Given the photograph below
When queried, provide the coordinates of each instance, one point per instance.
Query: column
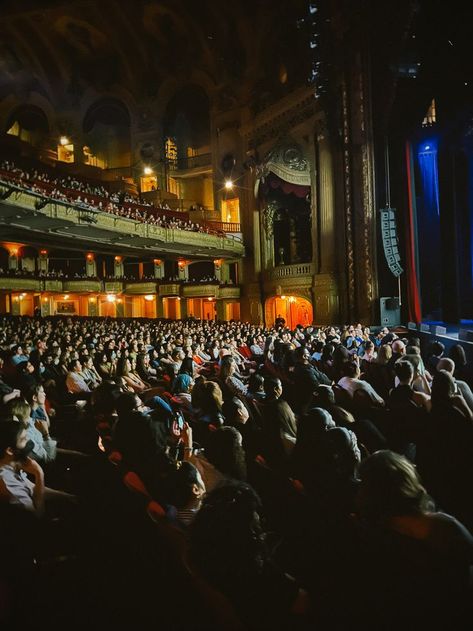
(90, 265)
(218, 269)
(13, 258)
(159, 307)
(158, 269)
(43, 261)
(183, 270)
(326, 238)
(118, 266)
(92, 307)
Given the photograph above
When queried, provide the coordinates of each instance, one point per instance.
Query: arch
(29, 123)
(106, 127)
(294, 309)
(187, 120)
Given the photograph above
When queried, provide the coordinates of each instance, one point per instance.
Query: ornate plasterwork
(287, 161)
(268, 218)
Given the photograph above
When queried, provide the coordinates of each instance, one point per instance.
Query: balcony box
(82, 285)
(200, 291)
(140, 288)
(227, 292)
(170, 289)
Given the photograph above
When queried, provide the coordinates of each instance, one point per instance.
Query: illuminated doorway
(172, 308)
(293, 309)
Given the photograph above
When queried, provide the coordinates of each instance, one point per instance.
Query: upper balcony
(24, 213)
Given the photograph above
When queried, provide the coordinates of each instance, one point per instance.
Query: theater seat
(134, 483)
(115, 457)
(155, 510)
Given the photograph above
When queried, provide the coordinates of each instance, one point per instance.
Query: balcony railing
(290, 271)
(192, 162)
(223, 226)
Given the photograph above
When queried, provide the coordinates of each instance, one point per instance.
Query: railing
(224, 226)
(290, 271)
(192, 162)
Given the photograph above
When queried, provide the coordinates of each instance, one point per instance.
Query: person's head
(207, 396)
(223, 449)
(368, 346)
(457, 353)
(20, 409)
(256, 383)
(25, 368)
(124, 366)
(187, 366)
(235, 412)
(390, 487)
(437, 349)
(385, 353)
(351, 370)
(443, 387)
(128, 402)
(182, 384)
(445, 363)
(342, 451)
(324, 396)
(404, 371)
(399, 347)
(12, 439)
(302, 355)
(184, 487)
(315, 422)
(74, 365)
(227, 538)
(36, 395)
(272, 387)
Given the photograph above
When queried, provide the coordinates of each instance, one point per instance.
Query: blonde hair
(21, 410)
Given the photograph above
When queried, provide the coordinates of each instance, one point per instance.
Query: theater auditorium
(236, 315)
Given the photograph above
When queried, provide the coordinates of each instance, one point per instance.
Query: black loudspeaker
(390, 315)
(465, 335)
(425, 328)
(438, 330)
(412, 326)
(392, 304)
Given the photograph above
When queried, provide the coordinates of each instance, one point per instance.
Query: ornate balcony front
(231, 292)
(83, 285)
(140, 288)
(200, 291)
(283, 272)
(169, 289)
(15, 283)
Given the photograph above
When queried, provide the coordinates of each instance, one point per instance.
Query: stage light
(228, 185)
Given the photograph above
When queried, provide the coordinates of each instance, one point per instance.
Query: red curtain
(413, 297)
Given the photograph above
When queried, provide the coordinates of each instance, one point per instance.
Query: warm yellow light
(91, 299)
(283, 297)
(45, 300)
(66, 296)
(149, 297)
(90, 256)
(292, 299)
(43, 252)
(118, 259)
(148, 171)
(63, 141)
(228, 185)
(119, 300)
(209, 298)
(178, 298)
(111, 297)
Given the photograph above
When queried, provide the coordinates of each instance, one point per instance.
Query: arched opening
(30, 124)
(201, 270)
(292, 309)
(107, 142)
(186, 128)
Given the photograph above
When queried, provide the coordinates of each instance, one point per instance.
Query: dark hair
(349, 369)
(223, 449)
(390, 486)
(437, 348)
(227, 538)
(324, 396)
(126, 403)
(404, 370)
(231, 409)
(178, 485)
(443, 387)
(255, 382)
(187, 366)
(9, 432)
(457, 353)
(72, 364)
(270, 385)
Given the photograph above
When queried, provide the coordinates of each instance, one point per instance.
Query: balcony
(299, 270)
(191, 166)
(170, 289)
(200, 290)
(65, 223)
(148, 287)
(229, 292)
(15, 283)
(79, 285)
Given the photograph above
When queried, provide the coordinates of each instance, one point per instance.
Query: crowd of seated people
(95, 197)
(310, 478)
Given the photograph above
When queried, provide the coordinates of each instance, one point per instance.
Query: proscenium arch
(107, 132)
